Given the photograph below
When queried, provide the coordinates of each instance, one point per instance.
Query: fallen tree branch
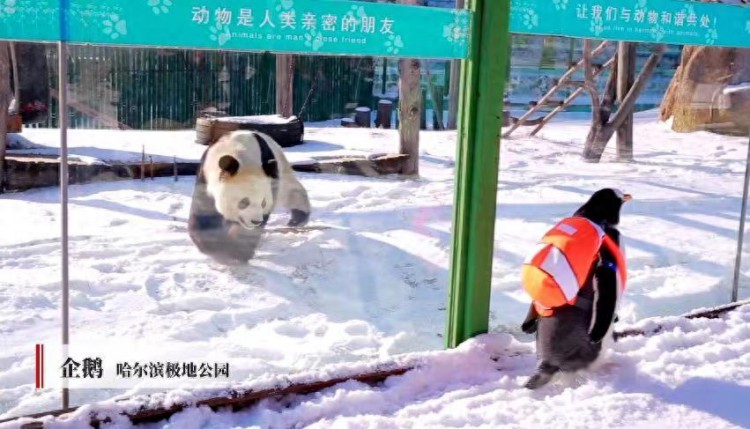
(235, 400)
(711, 313)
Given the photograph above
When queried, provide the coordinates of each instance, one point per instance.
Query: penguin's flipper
(605, 300)
(529, 325)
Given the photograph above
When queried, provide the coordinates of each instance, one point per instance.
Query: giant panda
(242, 178)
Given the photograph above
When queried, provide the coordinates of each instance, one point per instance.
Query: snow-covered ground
(693, 373)
(375, 284)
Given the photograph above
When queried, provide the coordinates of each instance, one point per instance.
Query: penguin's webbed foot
(538, 380)
(543, 375)
(529, 327)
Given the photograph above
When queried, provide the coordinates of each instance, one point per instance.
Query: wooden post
(4, 104)
(437, 108)
(284, 85)
(143, 163)
(385, 109)
(174, 168)
(363, 116)
(16, 77)
(453, 86)
(423, 112)
(625, 77)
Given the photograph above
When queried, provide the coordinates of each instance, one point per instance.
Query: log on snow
(286, 131)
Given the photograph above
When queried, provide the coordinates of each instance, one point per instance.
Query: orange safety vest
(555, 273)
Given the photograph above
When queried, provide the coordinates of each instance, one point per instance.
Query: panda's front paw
(299, 218)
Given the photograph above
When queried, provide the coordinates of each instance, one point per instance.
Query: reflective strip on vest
(560, 265)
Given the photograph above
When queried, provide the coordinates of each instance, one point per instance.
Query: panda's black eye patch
(243, 204)
(229, 165)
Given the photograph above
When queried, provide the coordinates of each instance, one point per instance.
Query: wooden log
(31, 171)
(26, 172)
(385, 110)
(363, 116)
(372, 166)
(348, 123)
(286, 131)
(236, 400)
(711, 313)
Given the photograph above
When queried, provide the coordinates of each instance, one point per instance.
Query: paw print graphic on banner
(711, 36)
(284, 5)
(458, 31)
(314, 40)
(597, 26)
(394, 44)
(530, 19)
(658, 33)
(560, 4)
(115, 27)
(357, 12)
(220, 33)
(160, 6)
(7, 7)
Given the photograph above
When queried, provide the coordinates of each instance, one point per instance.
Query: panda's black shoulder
(267, 158)
(201, 176)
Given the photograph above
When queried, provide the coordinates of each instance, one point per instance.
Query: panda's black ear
(229, 165)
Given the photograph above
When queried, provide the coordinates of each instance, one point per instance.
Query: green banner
(357, 28)
(650, 21)
(295, 26)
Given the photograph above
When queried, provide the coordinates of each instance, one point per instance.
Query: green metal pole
(483, 77)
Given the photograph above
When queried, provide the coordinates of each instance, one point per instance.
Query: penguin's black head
(604, 206)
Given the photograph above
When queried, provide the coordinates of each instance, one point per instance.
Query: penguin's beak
(627, 197)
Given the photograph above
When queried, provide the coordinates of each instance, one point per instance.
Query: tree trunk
(453, 86)
(602, 131)
(5, 96)
(411, 107)
(284, 85)
(695, 99)
(625, 76)
(410, 114)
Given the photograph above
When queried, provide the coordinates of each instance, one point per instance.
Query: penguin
(571, 338)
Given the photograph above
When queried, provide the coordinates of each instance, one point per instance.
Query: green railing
(169, 88)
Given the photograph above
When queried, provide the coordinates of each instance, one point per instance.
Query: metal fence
(168, 89)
